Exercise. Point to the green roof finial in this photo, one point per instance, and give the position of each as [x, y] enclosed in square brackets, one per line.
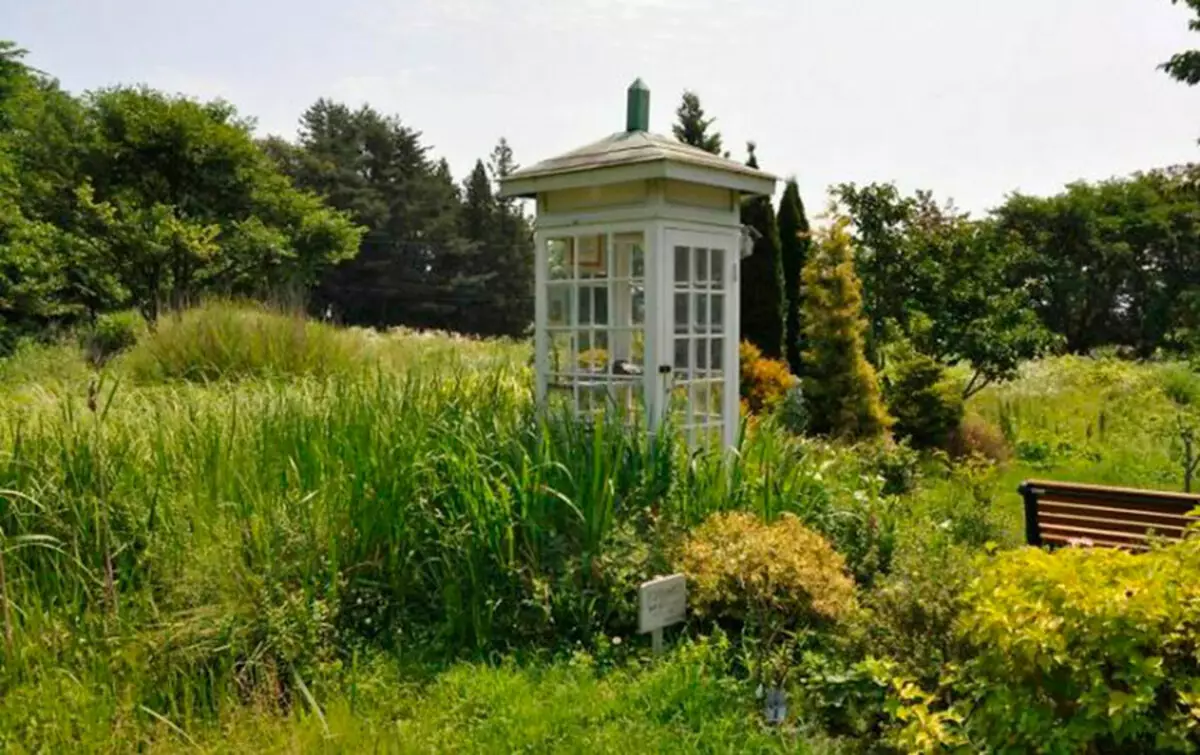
[637, 109]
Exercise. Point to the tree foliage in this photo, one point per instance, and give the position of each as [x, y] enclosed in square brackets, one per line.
[1116, 262]
[762, 301]
[435, 255]
[795, 239]
[127, 197]
[840, 385]
[692, 127]
[1185, 66]
[945, 282]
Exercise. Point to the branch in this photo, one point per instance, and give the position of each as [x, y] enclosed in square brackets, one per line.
[976, 384]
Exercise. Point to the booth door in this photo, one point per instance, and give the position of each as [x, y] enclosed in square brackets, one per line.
[703, 335]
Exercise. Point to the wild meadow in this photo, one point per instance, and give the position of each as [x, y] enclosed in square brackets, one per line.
[253, 532]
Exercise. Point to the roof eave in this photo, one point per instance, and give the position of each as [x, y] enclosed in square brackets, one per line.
[530, 184]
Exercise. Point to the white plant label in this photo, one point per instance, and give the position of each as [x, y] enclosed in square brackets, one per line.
[662, 602]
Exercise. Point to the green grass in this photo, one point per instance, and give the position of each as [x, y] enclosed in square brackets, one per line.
[204, 541]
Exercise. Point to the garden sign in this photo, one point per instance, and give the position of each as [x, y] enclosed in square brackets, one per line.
[661, 603]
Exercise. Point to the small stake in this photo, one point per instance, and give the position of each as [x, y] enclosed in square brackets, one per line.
[656, 642]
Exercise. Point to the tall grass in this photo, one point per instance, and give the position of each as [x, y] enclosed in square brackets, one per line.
[245, 502]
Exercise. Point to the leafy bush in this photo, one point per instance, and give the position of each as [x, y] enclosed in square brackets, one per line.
[1181, 384]
[975, 436]
[927, 406]
[742, 569]
[793, 411]
[1090, 650]
[221, 340]
[764, 382]
[111, 334]
[909, 616]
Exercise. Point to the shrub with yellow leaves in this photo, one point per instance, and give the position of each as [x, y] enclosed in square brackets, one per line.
[742, 569]
[764, 382]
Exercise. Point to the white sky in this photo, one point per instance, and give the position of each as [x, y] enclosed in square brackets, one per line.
[970, 98]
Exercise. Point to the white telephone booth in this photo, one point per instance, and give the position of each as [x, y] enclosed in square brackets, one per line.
[639, 242]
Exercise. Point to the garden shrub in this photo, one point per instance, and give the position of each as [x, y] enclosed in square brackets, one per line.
[841, 386]
[1084, 650]
[909, 616]
[927, 406]
[743, 570]
[975, 436]
[793, 411]
[222, 340]
[764, 382]
[111, 334]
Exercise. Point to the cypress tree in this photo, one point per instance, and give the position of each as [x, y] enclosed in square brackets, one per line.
[840, 385]
[762, 276]
[795, 238]
[692, 127]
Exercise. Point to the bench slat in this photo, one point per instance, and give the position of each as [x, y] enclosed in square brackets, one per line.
[1050, 518]
[1094, 534]
[1050, 537]
[1110, 512]
[1152, 506]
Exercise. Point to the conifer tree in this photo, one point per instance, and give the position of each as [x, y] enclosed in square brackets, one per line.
[841, 388]
[762, 276]
[795, 241]
[692, 127]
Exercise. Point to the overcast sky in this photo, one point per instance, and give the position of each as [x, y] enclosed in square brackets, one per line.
[970, 98]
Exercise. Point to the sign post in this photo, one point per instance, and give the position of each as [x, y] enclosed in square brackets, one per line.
[661, 603]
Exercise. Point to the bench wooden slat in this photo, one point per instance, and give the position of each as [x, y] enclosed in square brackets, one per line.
[1063, 513]
[1149, 506]
[1071, 540]
[1046, 520]
[1110, 512]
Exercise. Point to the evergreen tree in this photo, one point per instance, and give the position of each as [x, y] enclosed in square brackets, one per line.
[514, 282]
[795, 240]
[692, 127]
[762, 276]
[840, 385]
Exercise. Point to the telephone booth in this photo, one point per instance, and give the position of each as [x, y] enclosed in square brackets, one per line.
[638, 248]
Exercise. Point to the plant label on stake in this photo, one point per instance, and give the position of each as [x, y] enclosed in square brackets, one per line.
[661, 603]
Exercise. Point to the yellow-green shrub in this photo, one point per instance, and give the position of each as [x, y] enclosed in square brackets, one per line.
[764, 382]
[742, 569]
[1084, 650]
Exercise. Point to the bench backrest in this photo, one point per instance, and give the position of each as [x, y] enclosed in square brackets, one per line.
[1059, 513]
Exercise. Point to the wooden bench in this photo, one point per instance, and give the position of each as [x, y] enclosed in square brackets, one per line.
[1062, 513]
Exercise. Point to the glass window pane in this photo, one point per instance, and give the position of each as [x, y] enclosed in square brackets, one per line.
[682, 267]
[585, 306]
[700, 312]
[701, 270]
[718, 268]
[592, 256]
[702, 352]
[639, 305]
[600, 305]
[559, 258]
[681, 313]
[717, 309]
[558, 299]
[630, 253]
[716, 400]
[699, 399]
[681, 358]
[717, 352]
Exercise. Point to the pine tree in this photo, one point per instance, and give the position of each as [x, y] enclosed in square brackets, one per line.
[692, 127]
[762, 276]
[840, 386]
[795, 241]
[514, 252]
